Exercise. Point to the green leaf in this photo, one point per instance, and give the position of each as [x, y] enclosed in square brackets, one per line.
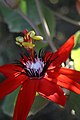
[77, 40]
[75, 53]
[74, 99]
[39, 45]
[10, 100]
[9, 103]
[23, 6]
[38, 104]
[32, 11]
[15, 22]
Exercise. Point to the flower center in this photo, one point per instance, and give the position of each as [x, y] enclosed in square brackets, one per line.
[34, 69]
[35, 66]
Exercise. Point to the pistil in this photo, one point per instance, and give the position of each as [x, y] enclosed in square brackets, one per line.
[27, 41]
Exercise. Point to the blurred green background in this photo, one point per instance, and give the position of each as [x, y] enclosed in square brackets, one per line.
[56, 21]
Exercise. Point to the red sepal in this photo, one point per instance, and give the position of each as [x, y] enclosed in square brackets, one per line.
[25, 99]
[68, 83]
[10, 84]
[51, 91]
[9, 69]
[62, 53]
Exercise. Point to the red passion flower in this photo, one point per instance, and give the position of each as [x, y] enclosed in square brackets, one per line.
[40, 73]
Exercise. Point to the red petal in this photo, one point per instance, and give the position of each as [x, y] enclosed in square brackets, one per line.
[68, 83]
[25, 100]
[62, 53]
[51, 91]
[72, 74]
[65, 77]
[51, 75]
[11, 84]
[9, 69]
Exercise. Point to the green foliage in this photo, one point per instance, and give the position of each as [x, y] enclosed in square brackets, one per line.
[38, 104]
[15, 22]
[74, 99]
[32, 11]
[9, 103]
[76, 57]
[50, 19]
[23, 6]
[74, 103]
[77, 40]
[10, 100]
[75, 54]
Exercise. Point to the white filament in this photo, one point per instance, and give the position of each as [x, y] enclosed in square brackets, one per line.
[36, 66]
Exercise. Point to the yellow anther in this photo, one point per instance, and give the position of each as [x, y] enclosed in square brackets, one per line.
[18, 44]
[27, 40]
[28, 45]
[38, 38]
[31, 34]
[19, 39]
[25, 37]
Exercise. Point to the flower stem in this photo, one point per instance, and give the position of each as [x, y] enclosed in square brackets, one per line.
[45, 26]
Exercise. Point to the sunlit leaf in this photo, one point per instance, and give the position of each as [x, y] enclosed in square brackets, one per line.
[23, 6]
[77, 40]
[75, 53]
[74, 99]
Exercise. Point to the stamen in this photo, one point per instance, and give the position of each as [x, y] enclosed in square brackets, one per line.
[27, 41]
[34, 68]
